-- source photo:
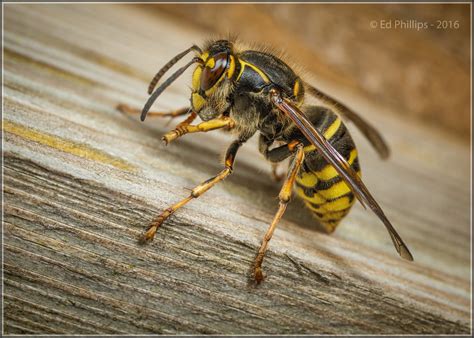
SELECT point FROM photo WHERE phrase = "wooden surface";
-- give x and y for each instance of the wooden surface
(81, 181)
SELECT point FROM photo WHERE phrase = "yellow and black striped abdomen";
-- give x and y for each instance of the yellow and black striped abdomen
(324, 192)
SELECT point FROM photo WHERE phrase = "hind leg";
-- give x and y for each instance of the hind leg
(284, 197)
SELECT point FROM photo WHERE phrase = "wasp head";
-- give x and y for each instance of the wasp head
(211, 83)
(211, 79)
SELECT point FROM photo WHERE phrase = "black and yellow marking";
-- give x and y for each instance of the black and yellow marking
(231, 69)
(323, 191)
(199, 94)
(265, 95)
(298, 92)
(245, 66)
(197, 100)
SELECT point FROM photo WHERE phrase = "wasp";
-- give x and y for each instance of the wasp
(251, 91)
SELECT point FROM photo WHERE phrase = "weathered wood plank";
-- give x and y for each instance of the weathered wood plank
(81, 254)
(81, 181)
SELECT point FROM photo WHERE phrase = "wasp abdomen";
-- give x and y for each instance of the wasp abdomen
(319, 185)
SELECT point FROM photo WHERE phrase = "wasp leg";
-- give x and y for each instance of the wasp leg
(197, 191)
(133, 111)
(275, 155)
(182, 129)
(284, 197)
(181, 125)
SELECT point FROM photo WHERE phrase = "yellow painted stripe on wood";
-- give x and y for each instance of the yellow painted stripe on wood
(71, 147)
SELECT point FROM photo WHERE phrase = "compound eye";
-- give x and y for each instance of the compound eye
(214, 70)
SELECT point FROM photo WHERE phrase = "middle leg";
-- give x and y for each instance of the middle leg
(284, 197)
(197, 191)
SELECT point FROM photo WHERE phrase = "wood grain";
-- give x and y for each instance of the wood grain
(81, 181)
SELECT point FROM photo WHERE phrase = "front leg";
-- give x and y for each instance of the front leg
(197, 191)
(186, 128)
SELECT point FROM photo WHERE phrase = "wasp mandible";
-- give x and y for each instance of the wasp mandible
(254, 91)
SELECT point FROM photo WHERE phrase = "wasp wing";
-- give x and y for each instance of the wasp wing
(368, 130)
(342, 167)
